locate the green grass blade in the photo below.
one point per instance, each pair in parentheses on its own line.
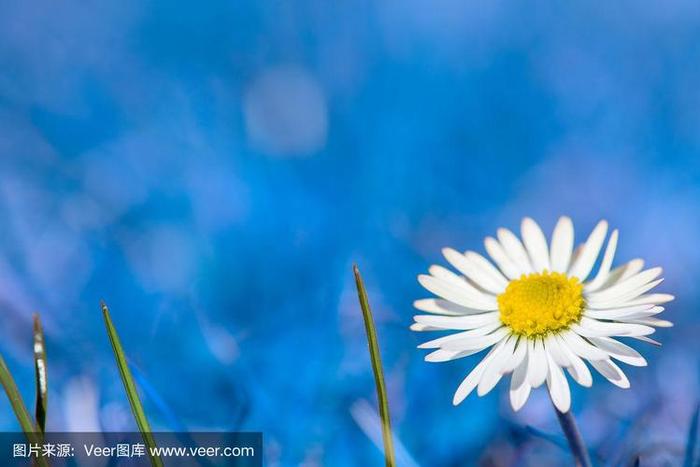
(130,387)
(25,420)
(377,369)
(41,375)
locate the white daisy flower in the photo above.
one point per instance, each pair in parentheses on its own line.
(540,311)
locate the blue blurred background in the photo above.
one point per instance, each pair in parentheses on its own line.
(212,170)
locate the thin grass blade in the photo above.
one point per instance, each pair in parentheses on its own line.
(377,369)
(25,420)
(692,439)
(130,388)
(41,375)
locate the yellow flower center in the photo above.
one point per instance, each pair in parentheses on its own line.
(538,304)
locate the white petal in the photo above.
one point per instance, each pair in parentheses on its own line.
(518,355)
(519,388)
(520,371)
(535,244)
(459,322)
(623,272)
(615,313)
(446,275)
(648,340)
(620,351)
(593,328)
(651,312)
(611,372)
(633,267)
(631,295)
(562,244)
(578,369)
(558,387)
(604,270)
(442,355)
(575,255)
(486,268)
(472,379)
(650,299)
(585,261)
(480,331)
(458,281)
(499,256)
(515,250)
(552,347)
(478,341)
(423,327)
(655,322)
(464,295)
(492,375)
(625,286)
(582,347)
(537,363)
(472,271)
(469,383)
(440,306)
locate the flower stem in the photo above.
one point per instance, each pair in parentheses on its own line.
(573,436)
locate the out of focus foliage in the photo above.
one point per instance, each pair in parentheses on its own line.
(213,169)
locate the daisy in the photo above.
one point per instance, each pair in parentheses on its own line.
(540,311)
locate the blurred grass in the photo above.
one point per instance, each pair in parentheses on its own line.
(41,374)
(25,420)
(130,387)
(376,358)
(552,438)
(692,439)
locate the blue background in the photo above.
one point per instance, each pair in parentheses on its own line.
(213,170)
